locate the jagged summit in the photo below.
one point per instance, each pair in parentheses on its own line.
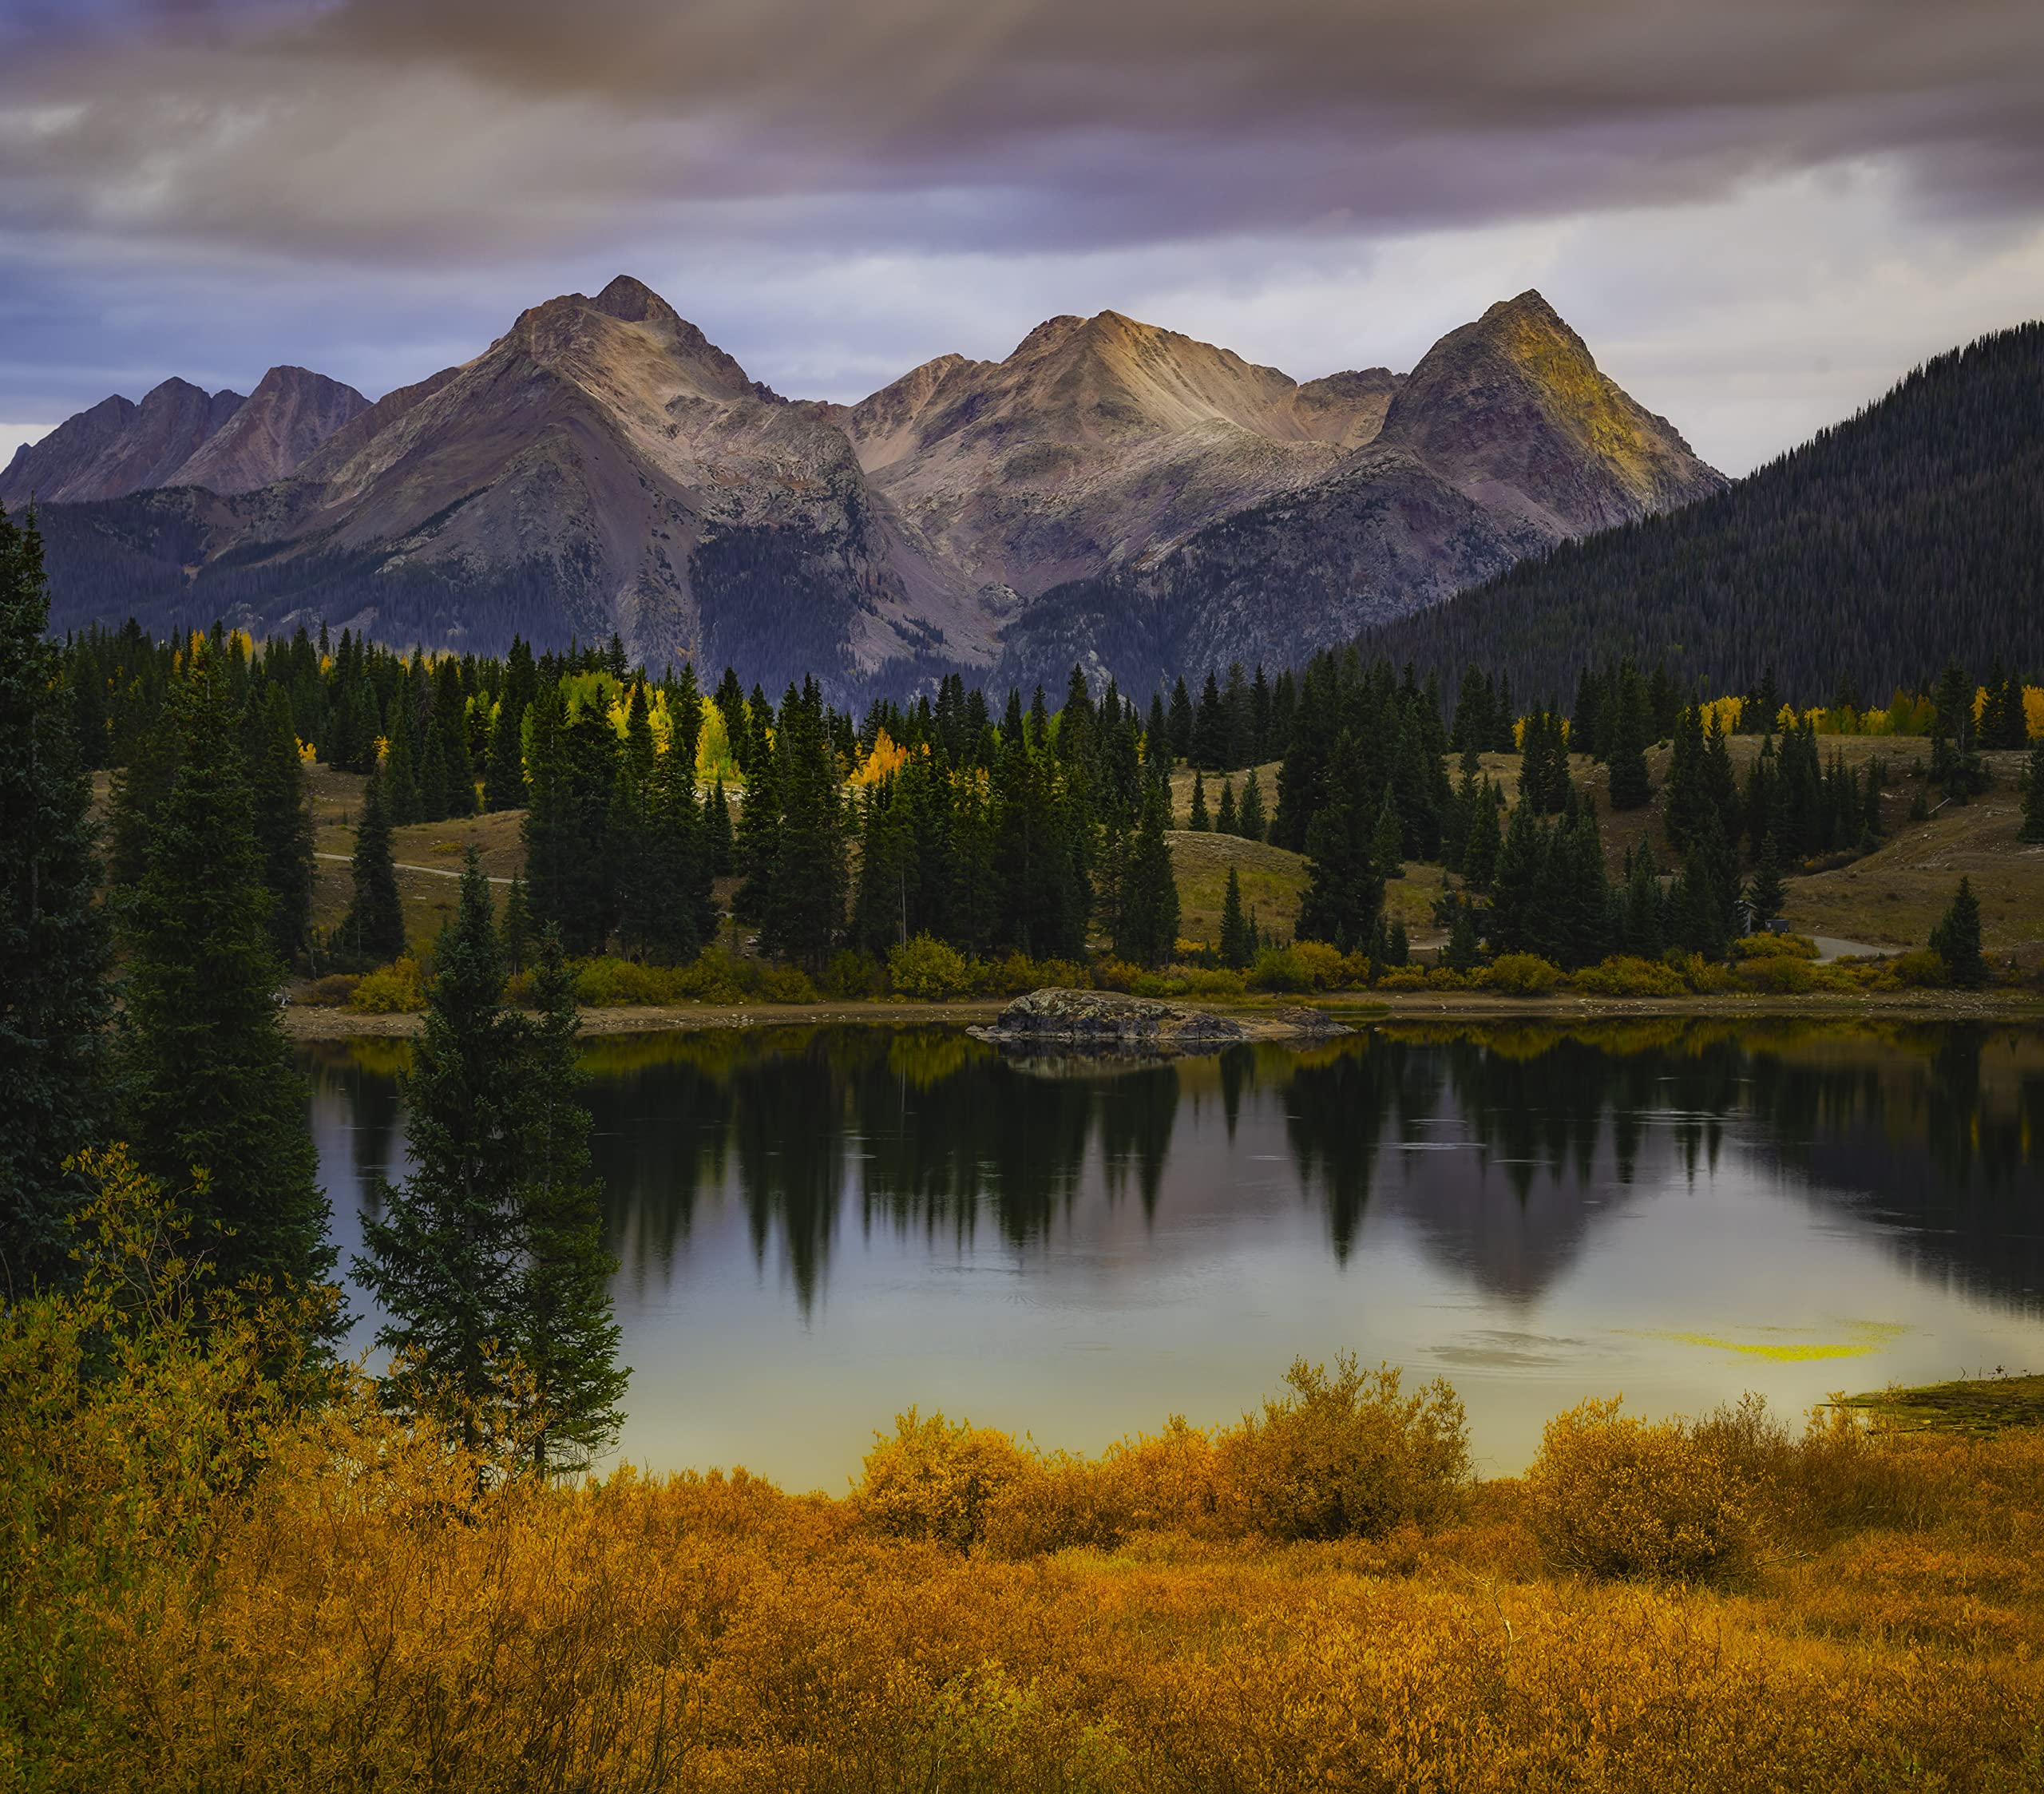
(269,437)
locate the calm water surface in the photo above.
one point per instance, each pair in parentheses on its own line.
(818,1227)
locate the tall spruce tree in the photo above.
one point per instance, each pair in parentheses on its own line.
(2033,794)
(54,1003)
(1227,820)
(1631,788)
(1767,893)
(1956,940)
(443,1257)
(283,821)
(1147,928)
(1238,943)
(1387,841)
(1198,818)
(208,1085)
(373,931)
(1344,895)
(561,1321)
(1250,823)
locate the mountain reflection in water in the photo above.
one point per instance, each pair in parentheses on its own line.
(1643,1204)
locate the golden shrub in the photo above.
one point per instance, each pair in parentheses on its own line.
(1774,947)
(935,1480)
(1611,1494)
(1521,975)
(928,969)
(1627,975)
(1343,1455)
(397,988)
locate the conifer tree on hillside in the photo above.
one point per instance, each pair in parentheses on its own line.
(1767,893)
(442,1256)
(520,933)
(53,1000)
(283,823)
(1956,940)
(503,779)
(1345,889)
(561,1321)
(1147,928)
(1250,822)
(1631,788)
(717,828)
(1387,841)
(572,780)
(2033,794)
(1198,820)
(374,929)
(1226,819)
(207,1081)
(400,786)
(1237,942)
(1179,725)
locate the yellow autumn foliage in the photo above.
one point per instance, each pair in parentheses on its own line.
(216,1573)
(883,760)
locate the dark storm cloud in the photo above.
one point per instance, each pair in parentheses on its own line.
(417,127)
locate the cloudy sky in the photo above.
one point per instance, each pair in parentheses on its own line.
(1758,212)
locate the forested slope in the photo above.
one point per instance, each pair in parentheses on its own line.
(1912,532)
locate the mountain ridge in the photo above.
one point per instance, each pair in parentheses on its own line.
(603,466)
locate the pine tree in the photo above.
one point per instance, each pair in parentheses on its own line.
(373,932)
(1237,945)
(1461,953)
(562,1325)
(283,823)
(401,790)
(1225,819)
(1387,841)
(520,931)
(1766,894)
(571,778)
(1147,928)
(1514,884)
(504,781)
(1956,940)
(54,1002)
(209,1086)
(2033,795)
(1198,821)
(1250,822)
(1631,788)
(442,1257)
(717,828)
(1344,890)
(1642,924)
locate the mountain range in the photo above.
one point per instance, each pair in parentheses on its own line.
(1112,494)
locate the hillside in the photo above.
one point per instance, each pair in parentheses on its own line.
(1112,494)
(1910,533)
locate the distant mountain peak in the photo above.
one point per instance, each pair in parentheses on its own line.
(632,301)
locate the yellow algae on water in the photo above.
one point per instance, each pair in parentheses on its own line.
(1862,1337)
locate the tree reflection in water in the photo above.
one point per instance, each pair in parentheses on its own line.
(1504,1147)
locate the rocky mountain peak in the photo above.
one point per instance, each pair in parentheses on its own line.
(291,412)
(632,301)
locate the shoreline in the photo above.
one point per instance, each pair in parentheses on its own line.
(309,1023)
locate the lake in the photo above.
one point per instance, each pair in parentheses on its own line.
(818,1227)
